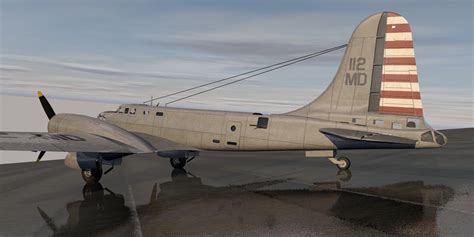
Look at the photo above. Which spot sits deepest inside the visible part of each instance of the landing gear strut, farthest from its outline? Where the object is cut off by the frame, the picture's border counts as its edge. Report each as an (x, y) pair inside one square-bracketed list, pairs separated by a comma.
[(179, 163)]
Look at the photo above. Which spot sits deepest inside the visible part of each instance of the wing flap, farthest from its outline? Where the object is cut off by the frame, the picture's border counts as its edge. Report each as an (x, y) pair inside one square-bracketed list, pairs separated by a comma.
[(64, 142)]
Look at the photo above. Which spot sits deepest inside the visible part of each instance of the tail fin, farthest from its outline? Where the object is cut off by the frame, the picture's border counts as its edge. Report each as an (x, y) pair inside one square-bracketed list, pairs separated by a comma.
[(377, 74)]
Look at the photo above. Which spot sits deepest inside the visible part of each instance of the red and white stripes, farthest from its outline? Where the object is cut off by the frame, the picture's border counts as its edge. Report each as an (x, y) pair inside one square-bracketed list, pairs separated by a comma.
[(400, 91)]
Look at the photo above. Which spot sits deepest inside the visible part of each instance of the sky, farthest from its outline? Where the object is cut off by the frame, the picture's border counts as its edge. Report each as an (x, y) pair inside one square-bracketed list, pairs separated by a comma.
[(127, 51)]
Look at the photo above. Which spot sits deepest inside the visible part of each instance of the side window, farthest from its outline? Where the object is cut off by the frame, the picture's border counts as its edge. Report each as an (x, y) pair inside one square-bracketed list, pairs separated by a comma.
[(413, 123), (357, 120), (126, 110), (159, 113), (120, 110), (133, 111), (146, 112), (379, 122), (427, 137), (262, 122), (396, 125)]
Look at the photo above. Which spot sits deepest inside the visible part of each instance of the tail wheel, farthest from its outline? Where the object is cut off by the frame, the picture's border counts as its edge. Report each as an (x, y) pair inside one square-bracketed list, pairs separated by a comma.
[(91, 175), (178, 163), (344, 163)]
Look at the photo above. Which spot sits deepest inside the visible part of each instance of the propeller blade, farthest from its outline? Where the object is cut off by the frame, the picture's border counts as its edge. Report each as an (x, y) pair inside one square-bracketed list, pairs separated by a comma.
[(41, 154), (46, 106)]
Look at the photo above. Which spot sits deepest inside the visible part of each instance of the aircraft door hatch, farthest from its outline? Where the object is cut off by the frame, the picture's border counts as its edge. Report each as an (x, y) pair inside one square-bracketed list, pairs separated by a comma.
[(232, 136)]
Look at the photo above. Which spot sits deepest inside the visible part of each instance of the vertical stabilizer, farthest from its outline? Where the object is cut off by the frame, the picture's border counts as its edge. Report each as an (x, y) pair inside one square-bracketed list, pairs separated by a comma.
[(377, 74)]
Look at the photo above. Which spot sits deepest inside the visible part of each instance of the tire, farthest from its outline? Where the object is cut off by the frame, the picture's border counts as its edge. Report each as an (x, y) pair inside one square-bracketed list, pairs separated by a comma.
[(91, 175), (178, 163), (345, 165)]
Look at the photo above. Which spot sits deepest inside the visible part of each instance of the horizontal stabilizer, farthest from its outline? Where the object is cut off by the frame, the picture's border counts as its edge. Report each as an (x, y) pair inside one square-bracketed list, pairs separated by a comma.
[(343, 138)]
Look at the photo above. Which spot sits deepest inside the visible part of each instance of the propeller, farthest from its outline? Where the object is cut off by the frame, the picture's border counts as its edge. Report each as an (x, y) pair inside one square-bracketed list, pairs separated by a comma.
[(49, 112), (46, 106)]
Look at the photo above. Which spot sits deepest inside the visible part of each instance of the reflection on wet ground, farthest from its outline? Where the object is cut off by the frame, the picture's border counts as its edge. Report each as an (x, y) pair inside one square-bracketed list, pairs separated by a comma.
[(186, 201), (276, 196), (99, 210)]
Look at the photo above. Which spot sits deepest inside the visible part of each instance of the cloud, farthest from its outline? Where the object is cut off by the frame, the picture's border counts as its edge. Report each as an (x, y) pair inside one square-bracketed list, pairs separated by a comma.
[(11, 68), (87, 68), (128, 52)]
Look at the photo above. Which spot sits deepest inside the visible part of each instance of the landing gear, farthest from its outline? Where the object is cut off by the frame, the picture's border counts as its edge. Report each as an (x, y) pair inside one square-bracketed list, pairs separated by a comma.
[(343, 163), (178, 163), (91, 175)]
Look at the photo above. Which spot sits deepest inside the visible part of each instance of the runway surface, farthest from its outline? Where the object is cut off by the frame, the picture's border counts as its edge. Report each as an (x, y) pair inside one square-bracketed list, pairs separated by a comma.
[(387, 192)]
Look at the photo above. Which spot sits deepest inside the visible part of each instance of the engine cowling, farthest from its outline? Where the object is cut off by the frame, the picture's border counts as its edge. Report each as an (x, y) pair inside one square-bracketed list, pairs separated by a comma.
[(64, 123), (71, 161)]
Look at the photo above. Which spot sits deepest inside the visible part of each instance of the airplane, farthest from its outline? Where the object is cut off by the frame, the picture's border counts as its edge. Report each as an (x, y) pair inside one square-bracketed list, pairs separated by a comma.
[(373, 102)]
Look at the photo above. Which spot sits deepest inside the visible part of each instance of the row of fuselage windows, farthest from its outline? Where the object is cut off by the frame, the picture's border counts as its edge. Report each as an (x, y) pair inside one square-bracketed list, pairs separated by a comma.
[(132, 111), (262, 122)]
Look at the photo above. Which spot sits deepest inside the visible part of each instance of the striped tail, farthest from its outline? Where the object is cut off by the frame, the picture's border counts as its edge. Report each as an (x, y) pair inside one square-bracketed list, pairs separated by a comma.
[(400, 91), (377, 76)]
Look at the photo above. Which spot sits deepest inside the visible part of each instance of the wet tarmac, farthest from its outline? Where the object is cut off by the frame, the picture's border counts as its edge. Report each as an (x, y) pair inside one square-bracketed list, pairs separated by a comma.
[(386, 192)]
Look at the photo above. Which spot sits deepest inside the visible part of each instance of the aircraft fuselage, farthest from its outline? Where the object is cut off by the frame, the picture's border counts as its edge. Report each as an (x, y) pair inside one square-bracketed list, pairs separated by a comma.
[(221, 130)]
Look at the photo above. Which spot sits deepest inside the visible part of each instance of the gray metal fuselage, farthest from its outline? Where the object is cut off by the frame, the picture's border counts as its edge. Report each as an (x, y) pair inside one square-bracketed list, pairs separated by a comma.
[(221, 130)]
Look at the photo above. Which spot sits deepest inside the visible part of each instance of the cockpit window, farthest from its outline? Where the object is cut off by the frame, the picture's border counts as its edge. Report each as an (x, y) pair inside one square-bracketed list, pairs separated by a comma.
[(439, 138), (126, 110), (133, 111), (120, 110), (427, 137)]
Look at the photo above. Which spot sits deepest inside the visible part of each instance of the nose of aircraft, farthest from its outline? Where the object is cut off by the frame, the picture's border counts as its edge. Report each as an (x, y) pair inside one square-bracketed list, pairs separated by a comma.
[(102, 116)]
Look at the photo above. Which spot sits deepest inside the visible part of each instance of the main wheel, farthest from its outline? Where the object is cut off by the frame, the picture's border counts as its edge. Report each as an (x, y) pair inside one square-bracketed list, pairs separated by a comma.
[(178, 163), (345, 163), (91, 175)]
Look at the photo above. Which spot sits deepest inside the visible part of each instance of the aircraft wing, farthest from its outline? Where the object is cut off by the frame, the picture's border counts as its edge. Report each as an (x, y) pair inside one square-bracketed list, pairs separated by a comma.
[(161, 144), (67, 142), (168, 149)]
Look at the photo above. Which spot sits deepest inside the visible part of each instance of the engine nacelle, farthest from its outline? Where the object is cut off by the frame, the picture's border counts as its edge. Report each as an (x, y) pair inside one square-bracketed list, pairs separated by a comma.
[(64, 123), (91, 160), (71, 161)]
